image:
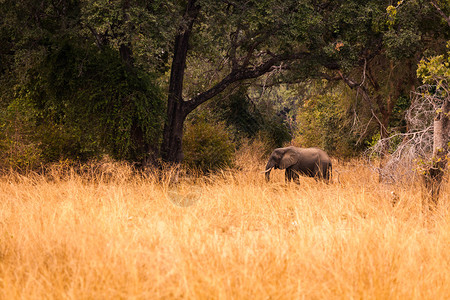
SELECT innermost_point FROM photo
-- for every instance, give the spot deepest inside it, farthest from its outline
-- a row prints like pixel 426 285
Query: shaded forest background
pixel 84 79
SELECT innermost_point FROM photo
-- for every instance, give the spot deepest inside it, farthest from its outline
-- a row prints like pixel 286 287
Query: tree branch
pixel 365 95
pixel 99 38
pixel 443 15
pixel 239 74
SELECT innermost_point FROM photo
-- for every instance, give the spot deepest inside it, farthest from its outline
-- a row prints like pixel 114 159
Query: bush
pixel 207 146
pixel 18 148
pixel 80 103
pixel 323 122
pixel 239 115
pixel 121 106
pixel 246 119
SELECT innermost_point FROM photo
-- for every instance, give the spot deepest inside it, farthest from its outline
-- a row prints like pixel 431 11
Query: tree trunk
pixel 441 138
pixel 171 147
pixel 125 51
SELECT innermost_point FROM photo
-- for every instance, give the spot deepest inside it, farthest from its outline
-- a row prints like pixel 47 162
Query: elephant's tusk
pixel 268 170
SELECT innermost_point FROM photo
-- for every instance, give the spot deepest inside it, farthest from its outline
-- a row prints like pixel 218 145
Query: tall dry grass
pixel 230 235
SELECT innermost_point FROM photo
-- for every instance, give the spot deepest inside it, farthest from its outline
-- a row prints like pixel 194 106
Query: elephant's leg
pixel 295 177
pixel 288 175
pixel 320 171
pixel 327 173
pixel 316 174
pixel 324 172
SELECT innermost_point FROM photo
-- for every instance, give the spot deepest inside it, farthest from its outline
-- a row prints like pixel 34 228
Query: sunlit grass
pixel 230 235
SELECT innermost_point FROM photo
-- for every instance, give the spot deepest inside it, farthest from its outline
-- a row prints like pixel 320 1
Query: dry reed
pixel 228 235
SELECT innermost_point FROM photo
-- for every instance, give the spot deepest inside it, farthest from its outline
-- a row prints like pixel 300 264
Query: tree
pixel 387 64
pixel 255 37
pixel 425 146
pixel 324 121
pixel 428 137
pixel 77 65
pixel 436 73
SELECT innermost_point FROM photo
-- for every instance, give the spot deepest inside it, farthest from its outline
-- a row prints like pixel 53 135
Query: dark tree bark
pixel 171 149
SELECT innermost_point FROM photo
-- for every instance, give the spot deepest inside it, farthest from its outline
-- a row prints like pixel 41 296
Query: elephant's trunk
pixel 269 167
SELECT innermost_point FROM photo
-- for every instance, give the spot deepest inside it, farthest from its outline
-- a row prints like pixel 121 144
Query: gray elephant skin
pixel 312 162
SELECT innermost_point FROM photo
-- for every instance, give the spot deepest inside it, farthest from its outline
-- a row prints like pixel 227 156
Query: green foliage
pixel 392 13
pixel 323 122
pixel 248 119
pixel 18 150
pixel 398 121
pixel 146 27
pixel 207 146
pixel 275 133
pixel 122 105
pixel 435 70
pixel 239 113
pixel 63 69
pixel 402 44
pixel 349 28
pixel 87 102
pixel 412 24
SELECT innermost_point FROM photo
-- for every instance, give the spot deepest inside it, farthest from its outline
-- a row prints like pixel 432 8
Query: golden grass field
pixel 120 236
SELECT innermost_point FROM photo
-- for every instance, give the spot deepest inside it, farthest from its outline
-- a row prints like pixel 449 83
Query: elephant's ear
pixel 289 158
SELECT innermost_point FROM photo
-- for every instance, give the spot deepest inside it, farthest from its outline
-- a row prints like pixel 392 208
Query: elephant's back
pixel 316 154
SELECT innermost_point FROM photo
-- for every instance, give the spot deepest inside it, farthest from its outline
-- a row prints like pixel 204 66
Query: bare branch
pixel 413 146
pixel 360 88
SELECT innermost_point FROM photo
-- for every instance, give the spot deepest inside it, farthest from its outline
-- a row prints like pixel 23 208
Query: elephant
pixel 312 162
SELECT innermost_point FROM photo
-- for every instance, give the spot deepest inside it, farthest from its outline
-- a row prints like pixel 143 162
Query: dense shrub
pixel 239 114
pixel 80 103
pixel 249 121
pixel 207 146
pixel 323 123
